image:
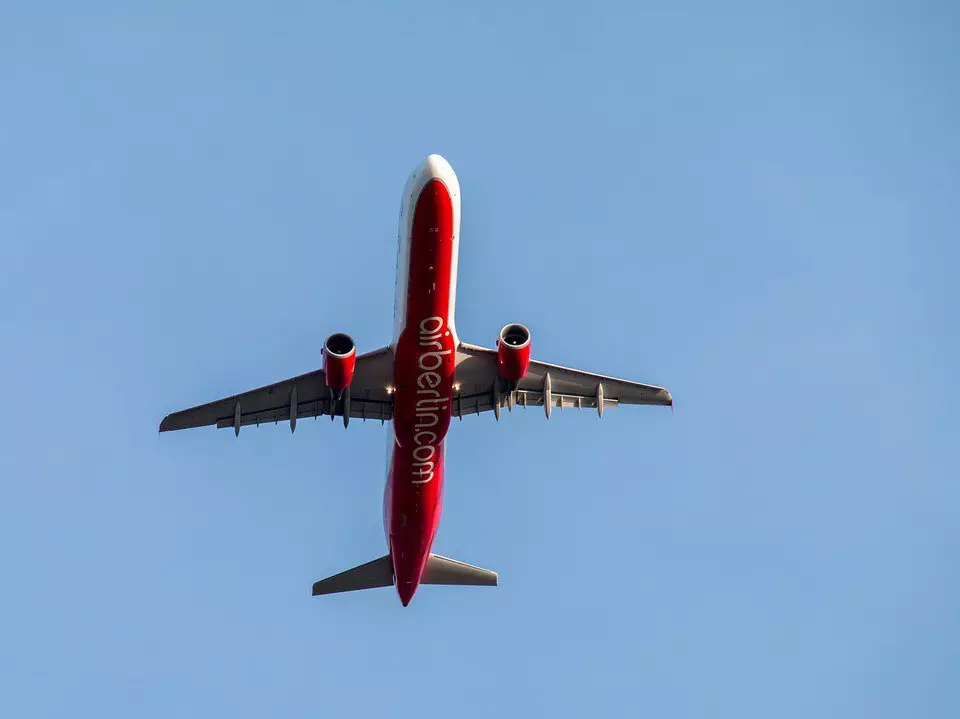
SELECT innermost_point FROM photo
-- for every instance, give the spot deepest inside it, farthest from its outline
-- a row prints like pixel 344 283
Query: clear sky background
pixel 754 205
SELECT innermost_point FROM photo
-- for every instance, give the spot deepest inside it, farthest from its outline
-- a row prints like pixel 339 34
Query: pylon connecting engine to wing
pixel 339 361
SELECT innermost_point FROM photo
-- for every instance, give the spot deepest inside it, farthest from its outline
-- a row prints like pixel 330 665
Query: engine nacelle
pixel 339 360
pixel 513 352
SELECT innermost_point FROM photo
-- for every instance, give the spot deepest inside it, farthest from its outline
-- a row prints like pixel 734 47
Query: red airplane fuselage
pixel 424 346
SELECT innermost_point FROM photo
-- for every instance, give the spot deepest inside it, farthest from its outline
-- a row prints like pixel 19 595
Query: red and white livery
pixel 424 378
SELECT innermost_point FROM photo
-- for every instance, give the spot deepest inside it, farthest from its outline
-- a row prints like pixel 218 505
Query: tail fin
pixel 378 573
pixel 440 570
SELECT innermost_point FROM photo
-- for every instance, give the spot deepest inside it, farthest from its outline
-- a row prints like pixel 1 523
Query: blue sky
pixel 754 206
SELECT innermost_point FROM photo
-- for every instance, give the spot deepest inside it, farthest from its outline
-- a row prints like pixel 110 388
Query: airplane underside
pixel 424 378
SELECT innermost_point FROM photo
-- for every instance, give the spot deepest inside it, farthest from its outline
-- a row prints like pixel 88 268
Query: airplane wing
pixel 545 385
pixel 298 397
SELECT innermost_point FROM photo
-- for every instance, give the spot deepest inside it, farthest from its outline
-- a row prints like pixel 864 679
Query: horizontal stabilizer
pixel 378 573
pixel 440 570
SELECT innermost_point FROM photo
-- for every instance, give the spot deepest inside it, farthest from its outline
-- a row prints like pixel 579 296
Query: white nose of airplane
pixel 435 166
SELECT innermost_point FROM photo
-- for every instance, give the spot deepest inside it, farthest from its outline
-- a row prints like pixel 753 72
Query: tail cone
pixel 406 591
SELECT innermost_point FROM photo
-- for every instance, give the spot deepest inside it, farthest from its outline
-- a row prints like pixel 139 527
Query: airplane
pixel 418 383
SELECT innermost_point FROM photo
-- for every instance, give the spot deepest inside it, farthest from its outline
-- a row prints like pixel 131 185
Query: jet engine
pixel 513 353
pixel 339 360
